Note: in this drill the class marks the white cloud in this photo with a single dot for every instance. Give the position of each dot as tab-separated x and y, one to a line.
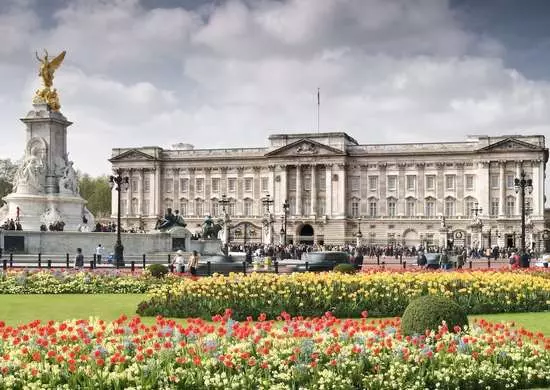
231	74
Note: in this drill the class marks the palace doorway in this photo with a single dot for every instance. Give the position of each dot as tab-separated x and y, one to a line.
305	235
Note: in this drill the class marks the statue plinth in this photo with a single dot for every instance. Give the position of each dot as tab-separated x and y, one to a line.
46	185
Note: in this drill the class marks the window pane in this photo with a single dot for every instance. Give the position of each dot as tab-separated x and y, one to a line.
265	182
373	183
248	184
215	184
168	185
430	182
184	185
411	182
231	184
392	183
199	183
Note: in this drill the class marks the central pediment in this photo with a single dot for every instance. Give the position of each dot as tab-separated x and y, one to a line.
132	155
305	147
509	145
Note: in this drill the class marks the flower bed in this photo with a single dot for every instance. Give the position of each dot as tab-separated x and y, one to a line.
295	353
384	294
81	282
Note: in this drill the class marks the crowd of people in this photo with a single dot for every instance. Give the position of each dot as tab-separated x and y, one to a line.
10	224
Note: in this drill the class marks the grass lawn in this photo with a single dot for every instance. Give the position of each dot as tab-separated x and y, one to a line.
19	309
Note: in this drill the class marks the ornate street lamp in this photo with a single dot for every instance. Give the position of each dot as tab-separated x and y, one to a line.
119	182
358	235
267	202
520	185
286	208
226	220
478	223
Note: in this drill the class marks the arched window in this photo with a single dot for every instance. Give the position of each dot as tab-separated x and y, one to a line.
429	207
135	207
450	209
168	203
373	207
510	206
355	205
199	207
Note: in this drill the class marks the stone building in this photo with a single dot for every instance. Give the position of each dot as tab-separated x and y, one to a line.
430	193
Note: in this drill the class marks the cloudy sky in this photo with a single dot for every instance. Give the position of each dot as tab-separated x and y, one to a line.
218	73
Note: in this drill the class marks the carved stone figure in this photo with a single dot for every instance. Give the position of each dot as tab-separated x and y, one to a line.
47	94
31	175
68	183
169	220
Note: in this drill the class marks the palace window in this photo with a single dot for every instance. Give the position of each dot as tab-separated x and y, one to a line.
429	207
469	205
469	182
392	206
373	208
509	181
215	184
355	183
184	185
307	182
430	182
410	209
146	207
183	207
321	206
373	183
168	185
123	206
392	183
355	208
449	207
214	207
450	182
134	185
248	207
411	182
231	184
135	206
494	179
199	207
248	184
265	184
510	206
146	185
495	205
199	184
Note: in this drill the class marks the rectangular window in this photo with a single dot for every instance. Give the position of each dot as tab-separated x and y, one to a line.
145	207
509	181
183	208
265	184
469	182
392	183
123	206
248	184
215	184
231	184
168	185
355	183
322	180
199	208
494	181
450	182
373	208
134	207
449	207
146	185
199	184
495	203
248	208
430	208
469	206
321	208
215	208
184	185
355	208
307	182
411	182
510	206
373	183
410	208
134	185
430	182
391	208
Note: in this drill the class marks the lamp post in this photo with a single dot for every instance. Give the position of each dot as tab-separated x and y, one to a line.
358	235
520	185
478	223
286	208
118	182
267	202
224	202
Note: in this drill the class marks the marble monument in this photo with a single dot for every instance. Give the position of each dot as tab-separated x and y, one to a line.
45	189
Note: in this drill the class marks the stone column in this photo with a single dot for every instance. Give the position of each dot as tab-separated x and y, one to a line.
483	186
382	189
207	190
283	188
421	190
192	193
502	189
440	188
341	190
313	210
538	187
328	189
141	199
129	194
240	192
401	191
299	190
460	189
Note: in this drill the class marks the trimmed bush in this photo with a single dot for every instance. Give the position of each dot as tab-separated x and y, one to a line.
158	270
345	268
429	311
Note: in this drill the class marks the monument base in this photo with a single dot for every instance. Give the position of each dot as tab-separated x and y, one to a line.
45	209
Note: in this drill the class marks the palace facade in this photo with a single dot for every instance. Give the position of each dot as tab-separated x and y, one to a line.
338	190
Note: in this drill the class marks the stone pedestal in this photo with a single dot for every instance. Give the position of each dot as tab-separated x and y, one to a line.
46	186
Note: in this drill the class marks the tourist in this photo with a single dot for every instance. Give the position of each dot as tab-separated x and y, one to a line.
98	253
194	262
79	259
444	260
179	262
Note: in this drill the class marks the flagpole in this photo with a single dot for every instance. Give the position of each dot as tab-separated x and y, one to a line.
318	108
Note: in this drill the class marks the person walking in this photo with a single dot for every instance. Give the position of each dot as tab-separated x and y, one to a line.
194	262
98	253
179	262
444	260
79	259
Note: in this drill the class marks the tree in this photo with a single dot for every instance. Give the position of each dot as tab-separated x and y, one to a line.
7	174
97	192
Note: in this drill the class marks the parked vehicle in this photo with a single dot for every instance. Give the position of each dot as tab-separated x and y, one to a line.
317	261
432	260
221	264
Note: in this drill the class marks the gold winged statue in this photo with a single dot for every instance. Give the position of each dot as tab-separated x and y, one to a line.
47	69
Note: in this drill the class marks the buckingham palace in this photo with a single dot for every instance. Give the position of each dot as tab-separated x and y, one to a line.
327	187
